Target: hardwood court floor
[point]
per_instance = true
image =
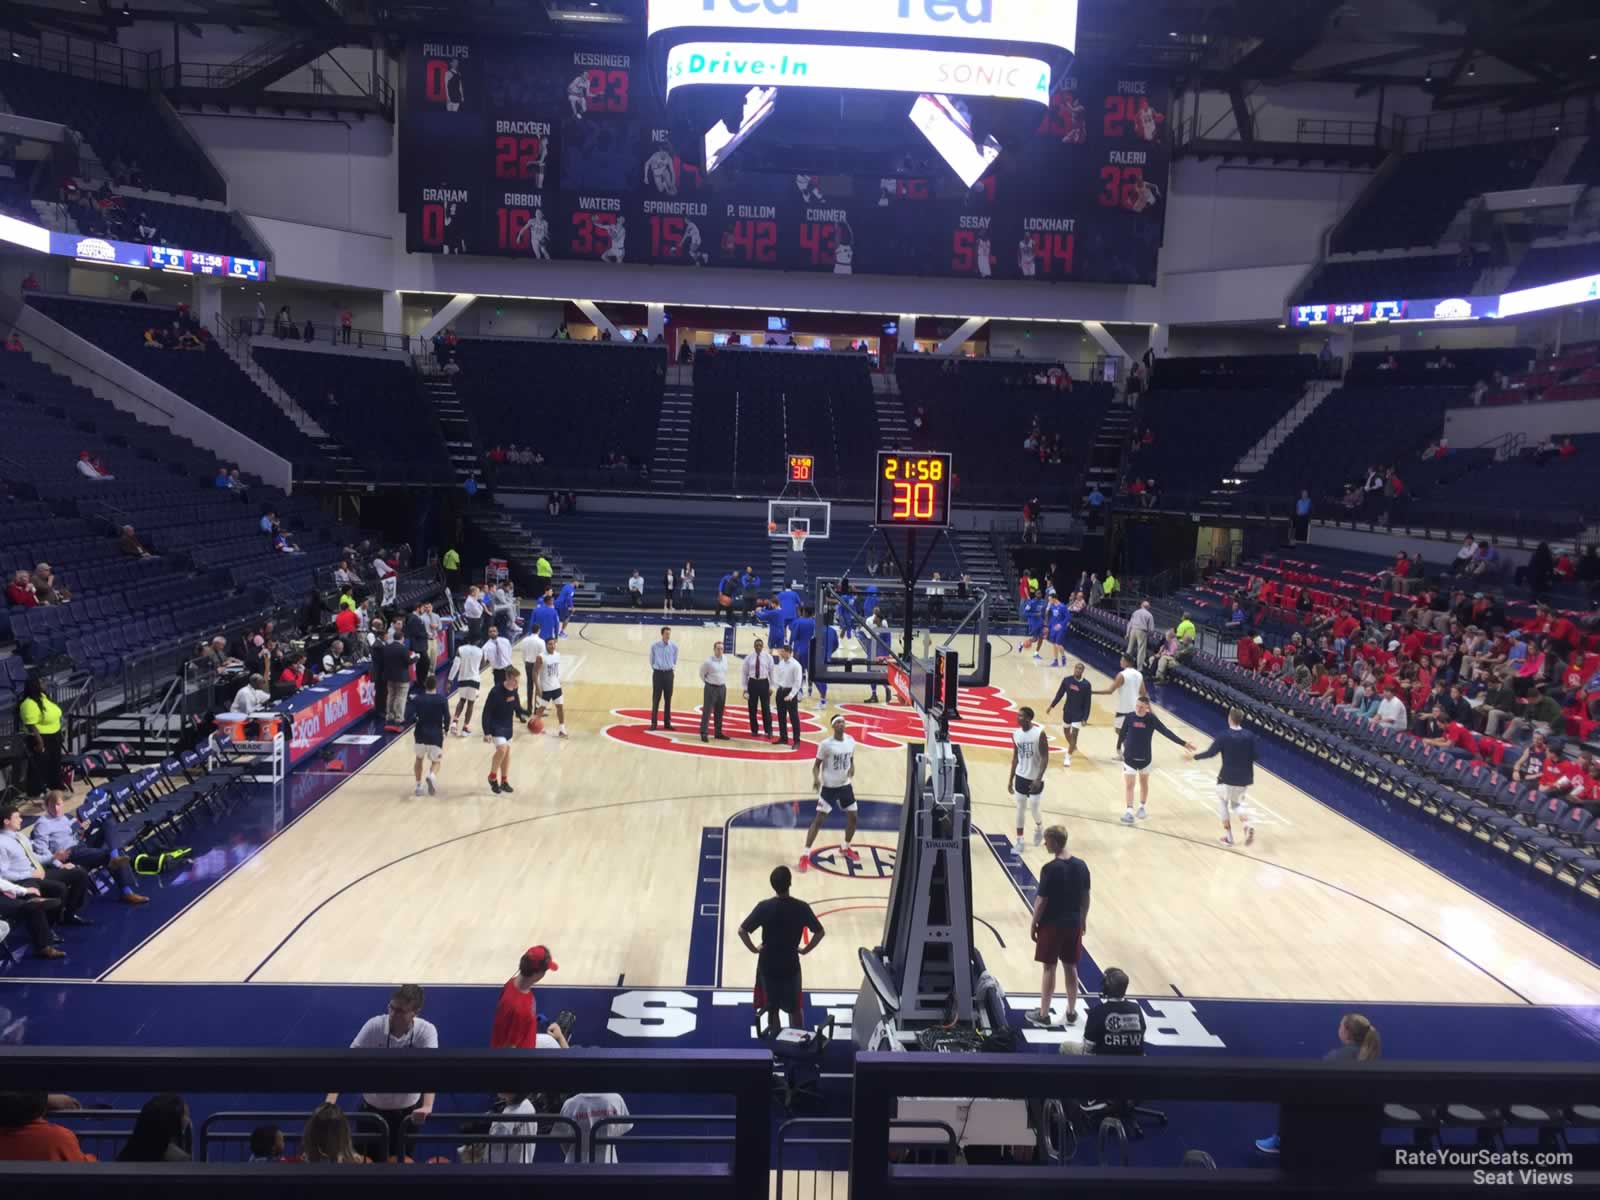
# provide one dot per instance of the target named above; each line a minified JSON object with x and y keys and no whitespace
{"x":600,"y":852}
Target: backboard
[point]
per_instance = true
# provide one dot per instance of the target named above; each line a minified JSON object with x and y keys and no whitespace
{"x":784,"y":516}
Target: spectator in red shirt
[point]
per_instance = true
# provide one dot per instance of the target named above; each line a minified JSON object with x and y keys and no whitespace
{"x":1411,"y":647}
{"x":20,"y":593}
{"x":1402,"y":566}
{"x":1567,"y":449}
{"x":1249,"y":653}
{"x":25,"y":1136}
{"x":516,"y":1018}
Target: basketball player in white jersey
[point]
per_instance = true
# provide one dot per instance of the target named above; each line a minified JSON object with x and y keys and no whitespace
{"x":1025,"y":257}
{"x":547,"y":669}
{"x":985,"y":257}
{"x":831,"y":773}
{"x":618,"y":249}
{"x":535,"y":233}
{"x":466,"y":673}
{"x":1145,"y":122}
{"x":1147,"y":195}
{"x":689,"y":247}
{"x":578,"y":95}
{"x":662,"y":173}
{"x":1030,"y":754}
{"x":1128,"y":687}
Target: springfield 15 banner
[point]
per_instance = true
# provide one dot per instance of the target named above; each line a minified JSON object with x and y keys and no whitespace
{"x":546,"y":151}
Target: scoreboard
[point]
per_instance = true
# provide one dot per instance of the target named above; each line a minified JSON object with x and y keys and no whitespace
{"x":556,"y":150}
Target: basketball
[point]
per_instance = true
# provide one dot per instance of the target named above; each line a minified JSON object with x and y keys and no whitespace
{"x":772,"y":527}
{"x":535,"y":724}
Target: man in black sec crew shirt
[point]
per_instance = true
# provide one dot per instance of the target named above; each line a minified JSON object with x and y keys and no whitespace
{"x":1116,"y":1024}
{"x":1238,"y":772}
{"x":783,"y":921}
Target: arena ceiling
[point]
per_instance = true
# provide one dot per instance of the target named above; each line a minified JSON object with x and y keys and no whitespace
{"x":1514,"y":53}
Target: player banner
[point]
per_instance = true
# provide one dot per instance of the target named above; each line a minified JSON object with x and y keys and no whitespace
{"x":544,"y":150}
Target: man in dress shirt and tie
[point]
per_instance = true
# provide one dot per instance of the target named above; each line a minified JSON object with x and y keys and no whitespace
{"x":758,"y":687}
{"x":788,"y":677}
{"x":713,"y":691}
{"x":497,"y":653}
{"x":58,"y":839}
{"x":19,"y":864}
{"x":663,"y":662}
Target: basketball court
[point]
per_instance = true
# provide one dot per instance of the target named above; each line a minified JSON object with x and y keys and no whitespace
{"x":635,"y":854}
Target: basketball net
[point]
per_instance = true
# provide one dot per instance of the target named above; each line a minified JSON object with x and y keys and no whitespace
{"x":797,"y":540}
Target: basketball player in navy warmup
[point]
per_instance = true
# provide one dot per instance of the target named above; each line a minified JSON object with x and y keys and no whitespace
{"x":1137,"y":733}
{"x":1238,"y":772}
{"x":1078,"y":693}
{"x":831,"y":773}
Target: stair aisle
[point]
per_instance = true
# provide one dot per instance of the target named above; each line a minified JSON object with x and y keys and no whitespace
{"x":672,"y":431}
{"x":439,"y":390}
{"x":512,"y":539}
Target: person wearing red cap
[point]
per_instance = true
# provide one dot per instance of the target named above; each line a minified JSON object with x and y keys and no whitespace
{"x":516,"y":1018}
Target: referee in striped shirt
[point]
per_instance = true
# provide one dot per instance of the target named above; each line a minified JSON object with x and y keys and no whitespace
{"x":663,"y":662}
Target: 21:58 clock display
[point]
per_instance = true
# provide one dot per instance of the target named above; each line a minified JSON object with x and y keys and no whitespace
{"x":913,"y":489}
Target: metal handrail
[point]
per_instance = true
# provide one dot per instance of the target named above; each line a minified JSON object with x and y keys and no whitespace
{"x":83,"y":59}
{"x":414,"y":1137}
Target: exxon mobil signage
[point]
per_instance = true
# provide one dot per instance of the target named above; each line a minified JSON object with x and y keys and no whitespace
{"x":1041,"y":22}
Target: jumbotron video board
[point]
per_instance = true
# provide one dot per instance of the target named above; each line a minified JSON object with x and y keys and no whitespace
{"x":557,"y":150}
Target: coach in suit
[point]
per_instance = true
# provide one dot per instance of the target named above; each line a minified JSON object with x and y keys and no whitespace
{"x":758,"y":687}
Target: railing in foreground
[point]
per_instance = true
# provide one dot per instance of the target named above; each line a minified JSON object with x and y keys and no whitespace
{"x":744,"y":1076}
{"x":1330,"y":1119}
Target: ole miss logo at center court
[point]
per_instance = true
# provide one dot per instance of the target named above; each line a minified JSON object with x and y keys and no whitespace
{"x":988,"y":719}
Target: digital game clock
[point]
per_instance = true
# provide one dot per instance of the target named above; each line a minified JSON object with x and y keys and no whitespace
{"x":913,"y":489}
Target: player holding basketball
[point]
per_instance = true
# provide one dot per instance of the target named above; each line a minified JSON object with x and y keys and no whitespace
{"x":618,"y":250}
{"x":661,"y":172}
{"x":535,"y":232}
{"x":502,"y":707}
{"x":689,"y":245}
{"x":1030,"y":754}
{"x":831,"y":773}
{"x":1138,"y":731}
{"x":1128,"y":684}
{"x":1238,"y":772}
{"x":1077,"y":693}
{"x":1025,"y":256}
{"x":578,"y":93}
{"x":466,"y":672}
{"x":547,"y":667}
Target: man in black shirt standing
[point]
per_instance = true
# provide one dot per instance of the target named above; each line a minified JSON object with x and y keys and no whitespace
{"x":1238,"y":772}
{"x":1116,"y":1024}
{"x":782,"y":920}
{"x":1060,"y":915}
{"x":433,"y":714}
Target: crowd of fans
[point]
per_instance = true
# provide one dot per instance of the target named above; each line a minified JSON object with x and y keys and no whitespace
{"x":1450,"y":667}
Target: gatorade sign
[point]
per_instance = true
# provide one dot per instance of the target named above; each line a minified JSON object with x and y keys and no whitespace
{"x":1041,"y":22}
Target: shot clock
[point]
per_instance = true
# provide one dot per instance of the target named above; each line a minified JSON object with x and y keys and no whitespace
{"x":802,"y":468}
{"x":913,"y":489}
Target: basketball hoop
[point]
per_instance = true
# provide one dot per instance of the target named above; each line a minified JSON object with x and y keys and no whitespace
{"x":797,"y":540}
